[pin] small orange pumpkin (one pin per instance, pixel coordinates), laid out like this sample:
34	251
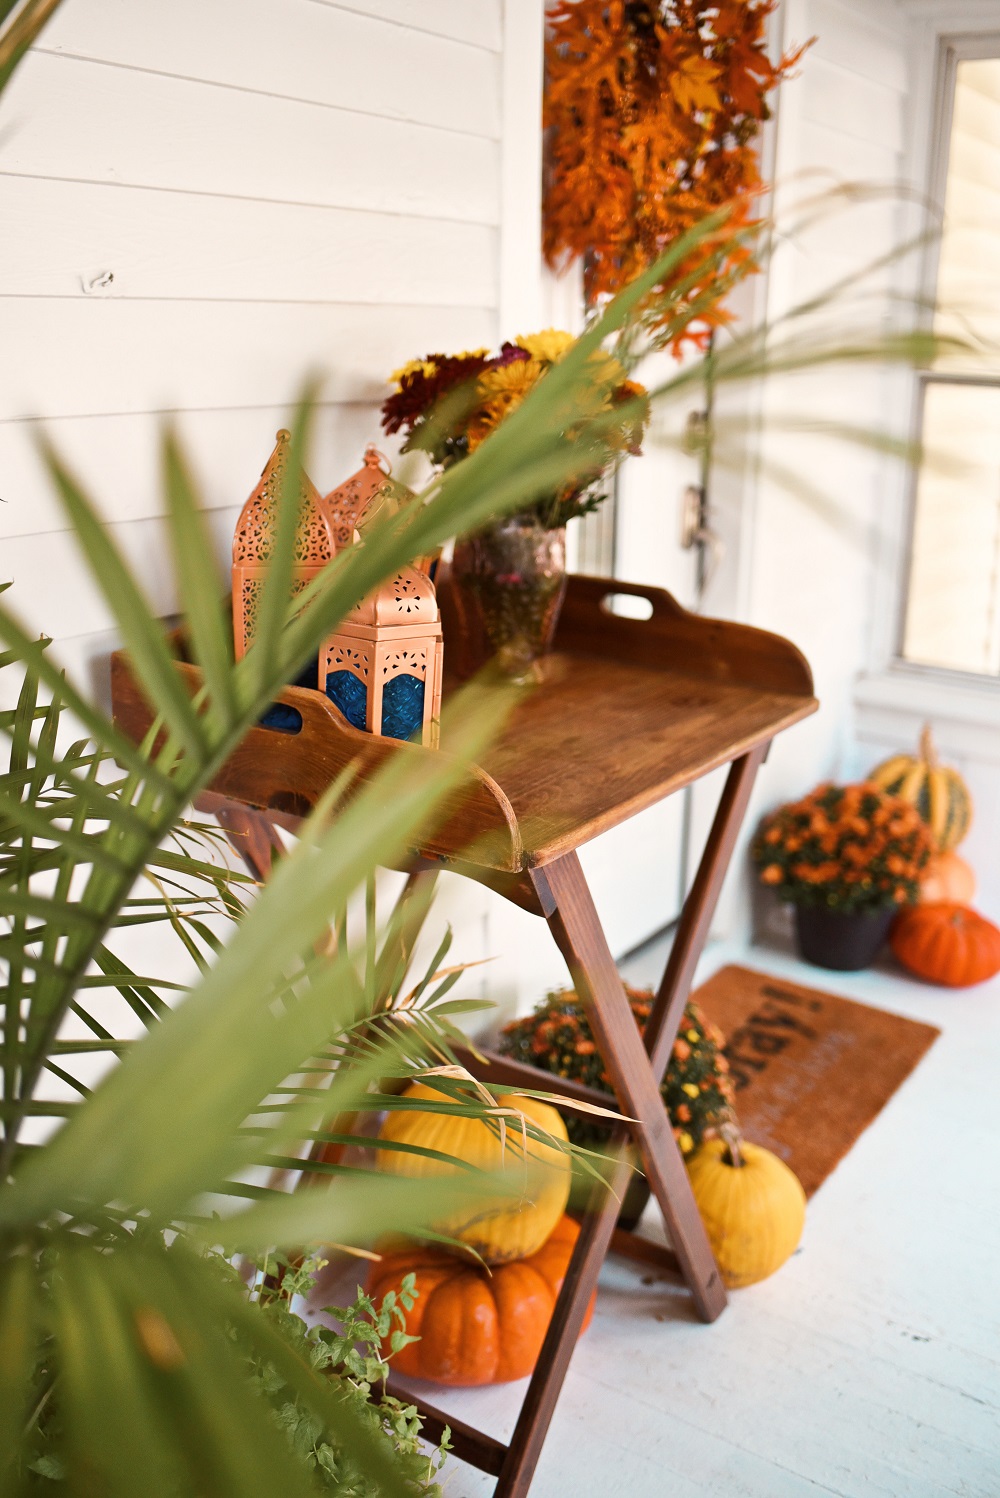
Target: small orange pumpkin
947	943
476	1326
947	877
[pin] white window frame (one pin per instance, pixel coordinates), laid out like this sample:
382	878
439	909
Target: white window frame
896	696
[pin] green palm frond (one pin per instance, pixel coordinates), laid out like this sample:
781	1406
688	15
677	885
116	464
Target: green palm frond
284	1032
21	23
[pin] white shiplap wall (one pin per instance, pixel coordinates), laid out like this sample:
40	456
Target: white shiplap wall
862	111
809	559
801	524
277	187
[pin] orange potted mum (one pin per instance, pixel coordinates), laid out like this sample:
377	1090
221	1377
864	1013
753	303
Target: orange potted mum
847	857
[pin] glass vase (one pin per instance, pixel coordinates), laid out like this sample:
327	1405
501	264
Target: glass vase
508	583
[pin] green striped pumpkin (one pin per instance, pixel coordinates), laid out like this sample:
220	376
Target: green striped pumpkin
939	793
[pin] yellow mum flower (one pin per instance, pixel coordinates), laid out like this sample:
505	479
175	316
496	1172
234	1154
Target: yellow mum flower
428	367
509	380
606	369
415	366
686	1142
690	1088
549	345
502	389
693	1036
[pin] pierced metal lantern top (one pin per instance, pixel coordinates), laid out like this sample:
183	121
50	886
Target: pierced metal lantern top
364	491
406	600
315	543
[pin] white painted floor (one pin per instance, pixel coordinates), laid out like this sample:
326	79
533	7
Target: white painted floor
870	1364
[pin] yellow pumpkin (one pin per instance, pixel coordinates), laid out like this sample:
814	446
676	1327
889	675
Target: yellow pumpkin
753	1211
939	793
514	1229
947	877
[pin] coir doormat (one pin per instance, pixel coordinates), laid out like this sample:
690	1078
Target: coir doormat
811	1070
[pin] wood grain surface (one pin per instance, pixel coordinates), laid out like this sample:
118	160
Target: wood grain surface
626	713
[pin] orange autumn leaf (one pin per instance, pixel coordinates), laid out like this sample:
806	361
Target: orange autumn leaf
693	84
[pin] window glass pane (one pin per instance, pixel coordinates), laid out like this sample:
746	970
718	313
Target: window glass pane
953	615
968	289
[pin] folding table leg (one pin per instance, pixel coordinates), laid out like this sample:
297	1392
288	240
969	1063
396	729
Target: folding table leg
567	1318
575	925
249	832
573	920
699	908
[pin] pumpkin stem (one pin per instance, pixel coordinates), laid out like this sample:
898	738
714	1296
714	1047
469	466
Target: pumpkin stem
730	1132
927	751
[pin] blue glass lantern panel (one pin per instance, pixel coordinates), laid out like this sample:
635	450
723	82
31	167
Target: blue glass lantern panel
402	707
348	693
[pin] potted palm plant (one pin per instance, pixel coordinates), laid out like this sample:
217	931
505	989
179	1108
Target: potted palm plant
125	1188
128	1185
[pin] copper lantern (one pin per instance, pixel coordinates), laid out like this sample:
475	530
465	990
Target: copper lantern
362	496
382	666
315	543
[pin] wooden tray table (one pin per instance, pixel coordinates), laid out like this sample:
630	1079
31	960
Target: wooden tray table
629	710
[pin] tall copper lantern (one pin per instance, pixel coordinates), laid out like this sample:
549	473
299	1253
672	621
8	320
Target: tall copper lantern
315	543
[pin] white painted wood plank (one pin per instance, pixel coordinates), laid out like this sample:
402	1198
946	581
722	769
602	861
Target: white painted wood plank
633	873
824	148
58	236
857	230
863	40
121	356
521	263
52	590
291	48
116	458
476	21
858	106
61	117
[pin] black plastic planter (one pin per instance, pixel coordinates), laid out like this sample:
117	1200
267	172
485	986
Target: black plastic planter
843	940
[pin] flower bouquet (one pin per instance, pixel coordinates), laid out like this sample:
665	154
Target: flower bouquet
697	1091
847	857
510	578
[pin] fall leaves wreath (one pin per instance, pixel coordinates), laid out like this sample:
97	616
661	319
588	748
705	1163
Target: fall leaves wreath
652	108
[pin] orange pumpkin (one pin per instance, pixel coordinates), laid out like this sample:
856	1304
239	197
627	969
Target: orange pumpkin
476	1326
947	943
947	877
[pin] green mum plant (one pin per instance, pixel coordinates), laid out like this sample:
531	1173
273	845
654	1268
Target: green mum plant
697	1092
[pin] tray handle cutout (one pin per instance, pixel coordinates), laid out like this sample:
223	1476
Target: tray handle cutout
280	718
628	605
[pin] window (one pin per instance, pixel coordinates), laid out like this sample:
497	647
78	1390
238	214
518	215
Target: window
952	615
